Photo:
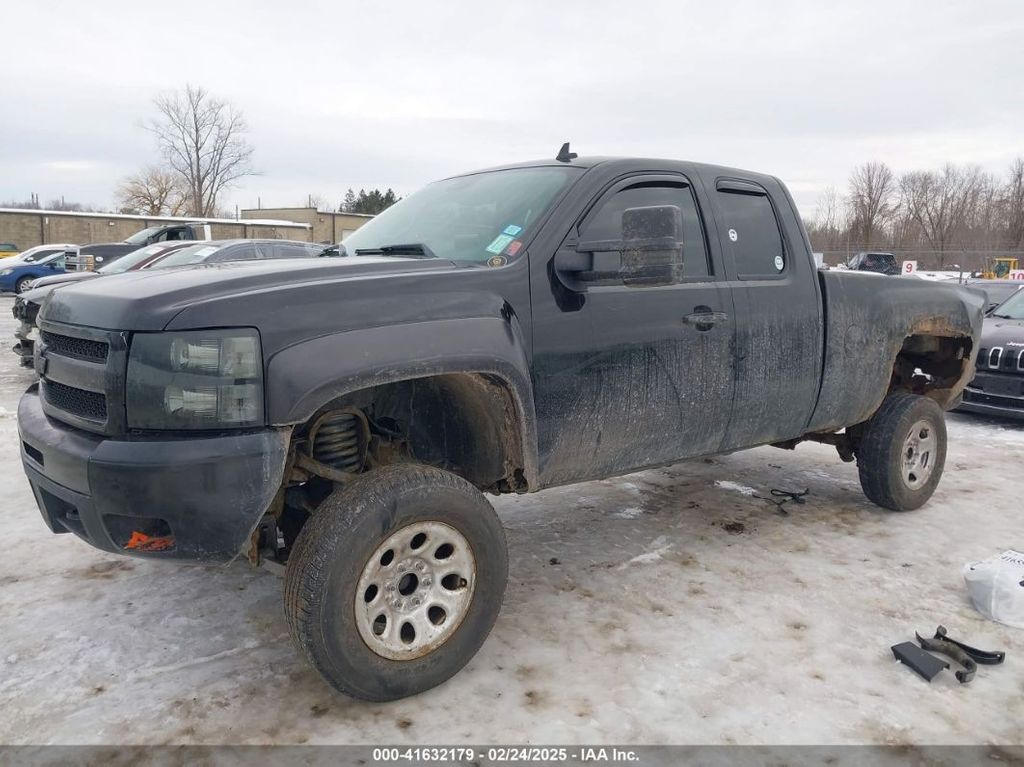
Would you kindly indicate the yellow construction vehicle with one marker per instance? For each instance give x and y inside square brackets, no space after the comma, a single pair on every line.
[999,268]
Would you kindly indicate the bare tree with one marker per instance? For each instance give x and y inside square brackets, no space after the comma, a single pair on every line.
[153,191]
[872,186]
[202,140]
[939,202]
[1013,204]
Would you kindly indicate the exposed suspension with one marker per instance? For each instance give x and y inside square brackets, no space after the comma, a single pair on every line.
[337,445]
[339,438]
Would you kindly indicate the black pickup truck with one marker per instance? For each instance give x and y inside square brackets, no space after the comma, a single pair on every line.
[501,331]
[98,254]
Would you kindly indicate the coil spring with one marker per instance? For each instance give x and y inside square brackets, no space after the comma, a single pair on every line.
[339,439]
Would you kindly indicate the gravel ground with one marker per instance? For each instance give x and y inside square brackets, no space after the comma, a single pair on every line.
[669,606]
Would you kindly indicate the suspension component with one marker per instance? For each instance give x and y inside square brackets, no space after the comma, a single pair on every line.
[340,439]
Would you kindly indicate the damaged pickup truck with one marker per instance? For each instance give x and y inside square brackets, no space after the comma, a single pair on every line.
[497,332]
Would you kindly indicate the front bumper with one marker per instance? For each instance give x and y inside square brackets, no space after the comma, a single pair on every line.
[200,496]
[27,335]
[995,394]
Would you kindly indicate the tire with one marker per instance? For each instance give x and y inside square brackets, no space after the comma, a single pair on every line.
[338,556]
[902,452]
[22,285]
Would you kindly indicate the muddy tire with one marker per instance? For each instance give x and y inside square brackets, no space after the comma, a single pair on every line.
[902,452]
[395,581]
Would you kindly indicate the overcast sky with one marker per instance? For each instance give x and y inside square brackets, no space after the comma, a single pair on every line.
[396,94]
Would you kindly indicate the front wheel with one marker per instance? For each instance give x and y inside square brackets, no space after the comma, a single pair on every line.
[395,581]
[902,452]
[22,285]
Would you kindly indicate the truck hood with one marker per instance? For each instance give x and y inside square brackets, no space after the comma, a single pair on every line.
[148,300]
[108,248]
[1002,332]
[60,279]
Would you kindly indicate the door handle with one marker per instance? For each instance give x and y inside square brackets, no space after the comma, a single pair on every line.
[703,318]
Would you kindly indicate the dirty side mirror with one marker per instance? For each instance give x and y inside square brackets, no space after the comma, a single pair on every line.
[652,246]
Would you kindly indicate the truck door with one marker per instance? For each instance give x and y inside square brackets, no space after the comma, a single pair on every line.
[778,312]
[627,377]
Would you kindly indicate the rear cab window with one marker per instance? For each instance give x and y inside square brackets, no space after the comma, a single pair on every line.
[750,228]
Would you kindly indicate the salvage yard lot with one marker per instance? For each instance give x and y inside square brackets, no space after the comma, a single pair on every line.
[670,606]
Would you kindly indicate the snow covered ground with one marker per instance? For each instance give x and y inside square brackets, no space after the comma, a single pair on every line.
[670,606]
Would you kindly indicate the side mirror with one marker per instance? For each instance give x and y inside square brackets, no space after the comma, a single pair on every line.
[652,246]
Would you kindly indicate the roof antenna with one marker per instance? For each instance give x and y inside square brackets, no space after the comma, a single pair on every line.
[564,155]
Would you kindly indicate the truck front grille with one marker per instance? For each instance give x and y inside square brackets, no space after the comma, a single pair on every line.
[82,375]
[84,404]
[1006,359]
[79,348]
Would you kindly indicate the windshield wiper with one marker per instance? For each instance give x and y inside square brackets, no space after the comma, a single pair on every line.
[403,249]
[1001,316]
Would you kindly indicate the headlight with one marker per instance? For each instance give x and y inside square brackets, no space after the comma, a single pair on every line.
[5,272]
[203,379]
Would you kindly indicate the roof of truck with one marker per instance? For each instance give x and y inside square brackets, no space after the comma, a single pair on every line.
[652,164]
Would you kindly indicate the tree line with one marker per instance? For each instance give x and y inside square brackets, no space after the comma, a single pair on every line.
[954,214]
[203,150]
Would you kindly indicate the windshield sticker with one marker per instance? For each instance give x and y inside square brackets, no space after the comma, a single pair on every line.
[205,251]
[499,244]
[497,261]
[513,248]
[512,229]
[779,263]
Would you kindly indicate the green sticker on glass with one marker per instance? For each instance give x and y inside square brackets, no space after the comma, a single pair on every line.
[500,243]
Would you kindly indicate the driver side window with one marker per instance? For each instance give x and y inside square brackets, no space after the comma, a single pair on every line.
[606,223]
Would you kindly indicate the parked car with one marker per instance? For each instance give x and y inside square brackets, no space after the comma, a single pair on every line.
[240,250]
[97,254]
[27,303]
[882,263]
[17,277]
[159,256]
[8,249]
[998,385]
[996,291]
[502,331]
[32,255]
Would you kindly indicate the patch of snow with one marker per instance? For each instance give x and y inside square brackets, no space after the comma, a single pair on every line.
[655,551]
[735,486]
[630,513]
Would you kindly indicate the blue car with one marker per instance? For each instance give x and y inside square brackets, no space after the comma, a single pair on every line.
[17,277]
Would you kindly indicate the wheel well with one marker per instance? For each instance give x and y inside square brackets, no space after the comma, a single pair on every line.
[466,423]
[933,364]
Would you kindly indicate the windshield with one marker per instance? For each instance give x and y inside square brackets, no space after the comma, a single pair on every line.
[194,254]
[1012,308]
[134,258]
[139,238]
[482,217]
